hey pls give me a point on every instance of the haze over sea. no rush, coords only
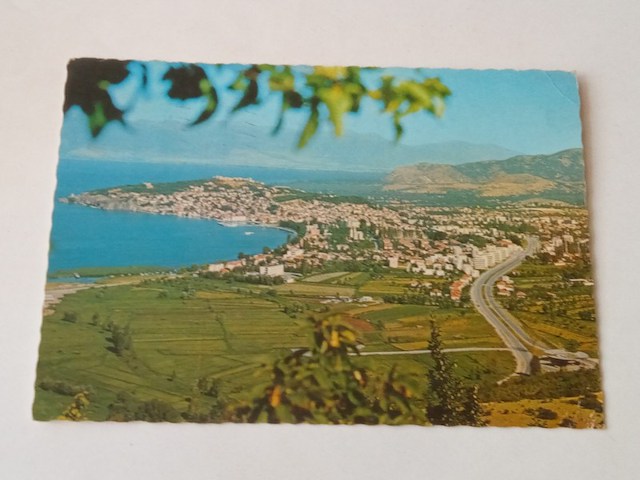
(86, 237)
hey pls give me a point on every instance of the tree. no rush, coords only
(535, 365)
(71, 317)
(325, 93)
(448, 402)
(572, 345)
(121, 339)
(123, 409)
(472, 410)
(207, 405)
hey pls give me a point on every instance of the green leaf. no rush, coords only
(210, 109)
(349, 336)
(281, 81)
(239, 84)
(250, 96)
(338, 101)
(97, 119)
(284, 414)
(209, 91)
(310, 128)
(323, 379)
(398, 127)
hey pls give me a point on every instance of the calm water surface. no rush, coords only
(89, 237)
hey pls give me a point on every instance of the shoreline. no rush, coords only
(237, 224)
(55, 292)
(68, 275)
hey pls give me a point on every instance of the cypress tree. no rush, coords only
(448, 402)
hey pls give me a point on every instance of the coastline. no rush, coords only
(224, 223)
(67, 276)
(54, 293)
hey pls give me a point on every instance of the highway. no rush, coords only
(507, 327)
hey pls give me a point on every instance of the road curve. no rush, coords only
(503, 323)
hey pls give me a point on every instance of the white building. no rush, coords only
(481, 262)
(272, 270)
(215, 267)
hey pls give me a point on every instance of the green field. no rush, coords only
(176, 340)
(324, 277)
(186, 329)
(393, 284)
(314, 290)
(406, 327)
(558, 312)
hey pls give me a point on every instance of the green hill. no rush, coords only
(522, 175)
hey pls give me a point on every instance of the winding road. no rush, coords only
(508, 328)
(505, 325)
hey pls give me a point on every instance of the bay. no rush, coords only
(84, 237)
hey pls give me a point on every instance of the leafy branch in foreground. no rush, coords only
(322, 384)
(327, 94)
(76, 410)
(88, 82)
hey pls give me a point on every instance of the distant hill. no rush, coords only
(522, 175)
(458, 152)
(243, 143)
(372, 152)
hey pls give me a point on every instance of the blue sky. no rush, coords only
(529, 111)
(526, 111)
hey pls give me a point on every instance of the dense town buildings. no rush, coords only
(455, 244)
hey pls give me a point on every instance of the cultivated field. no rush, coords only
(186, 329)
(556, 311)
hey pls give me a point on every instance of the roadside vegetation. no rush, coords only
(558, 306)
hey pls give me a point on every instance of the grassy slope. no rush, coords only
(228, 331)
(217, 332)
(176, 341)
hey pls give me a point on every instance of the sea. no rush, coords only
(84, 237)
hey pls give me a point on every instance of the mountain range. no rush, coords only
(516, 176)
(244, 143)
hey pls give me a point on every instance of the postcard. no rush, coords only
(319, 244)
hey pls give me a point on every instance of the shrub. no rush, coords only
(64, 388)
(546, 414)
(157, 411)
(591, 402)
(126, 408)
(71, 317)
(121, 339)
(547, 385)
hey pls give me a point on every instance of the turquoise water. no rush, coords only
(89, 237)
